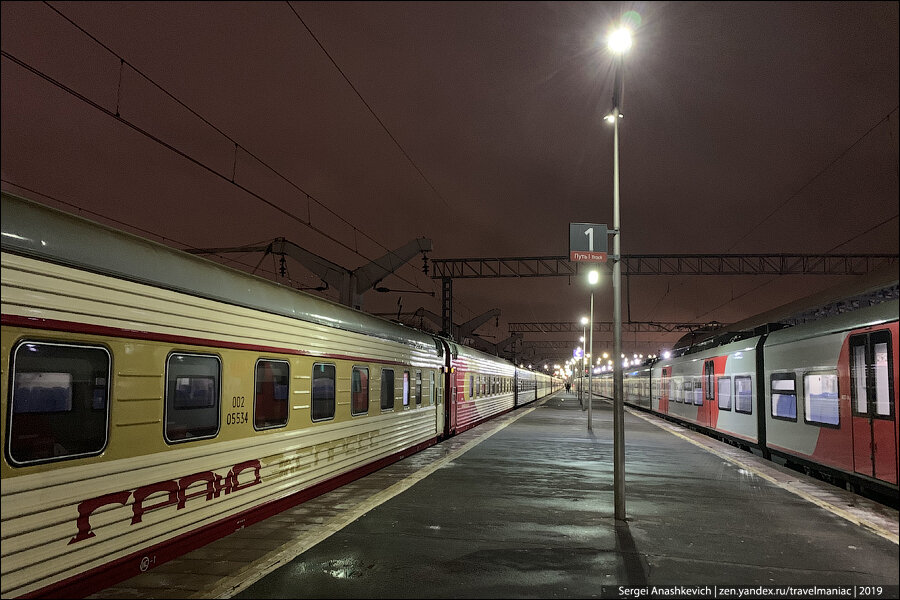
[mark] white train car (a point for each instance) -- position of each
(831, 394)
(714, 388)
(156, 401)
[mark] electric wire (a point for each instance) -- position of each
(226, 136)
(368, 106)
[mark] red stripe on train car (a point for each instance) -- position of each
(105, 331)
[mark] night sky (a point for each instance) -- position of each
(749, 128)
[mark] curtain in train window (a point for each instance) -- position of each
(192, 397)
(270, 404)
(59, 402)
(882, 378)
(820, 393)
(724, 389)
(387, 389)
(858, 375)
(784, 396)
(359, 391)
(743, 394)
(323, 391)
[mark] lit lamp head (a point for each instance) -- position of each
(593, 277)
(619, 40)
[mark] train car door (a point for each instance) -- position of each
(450, 375)
(664, 379)
(702, 396)
(874, 402)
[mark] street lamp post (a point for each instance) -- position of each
(593, 278)
(584, 322)
(618, 42)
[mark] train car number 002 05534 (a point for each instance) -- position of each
(239, 417)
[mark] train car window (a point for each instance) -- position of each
(387, 389)
(323, 391)
(784, 396)
(59, 402)
(858, 375)
(471, 386)
(405, 388)
(673, 390)
(724, 389)
(687, 390)
(418, 388)
(193, 395)
(881, 351)
(820, 398)
(698, 391)
(359, 391)
(743, 394)
(270, 404)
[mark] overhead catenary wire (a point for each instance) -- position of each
(821, 172)
(237, 145)
(368, 106)
(812, 179)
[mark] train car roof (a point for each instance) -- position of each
(38, 231)
(868, 316)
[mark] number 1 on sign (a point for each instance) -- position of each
(590, 234)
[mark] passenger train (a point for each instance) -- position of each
(155, 400)
(820, 396)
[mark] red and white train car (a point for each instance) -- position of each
(831, 394)
(821, 395)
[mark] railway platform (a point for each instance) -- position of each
(522, 507)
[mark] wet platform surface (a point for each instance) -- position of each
(522, 507)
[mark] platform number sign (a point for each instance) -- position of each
(587, 242)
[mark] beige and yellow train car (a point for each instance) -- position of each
(155, 401)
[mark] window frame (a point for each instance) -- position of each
(11, 402)
(312, 392)
(406, 384)
(392, 390)
(418, 388)
(719, 380)
(783, 376)
(734, 394)
(368, 391)
(837, 383)
(217, 406)
(287, 400)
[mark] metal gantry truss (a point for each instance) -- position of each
(667, 264)
(449, 269)
(606, 326)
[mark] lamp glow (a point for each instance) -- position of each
(619, 41)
